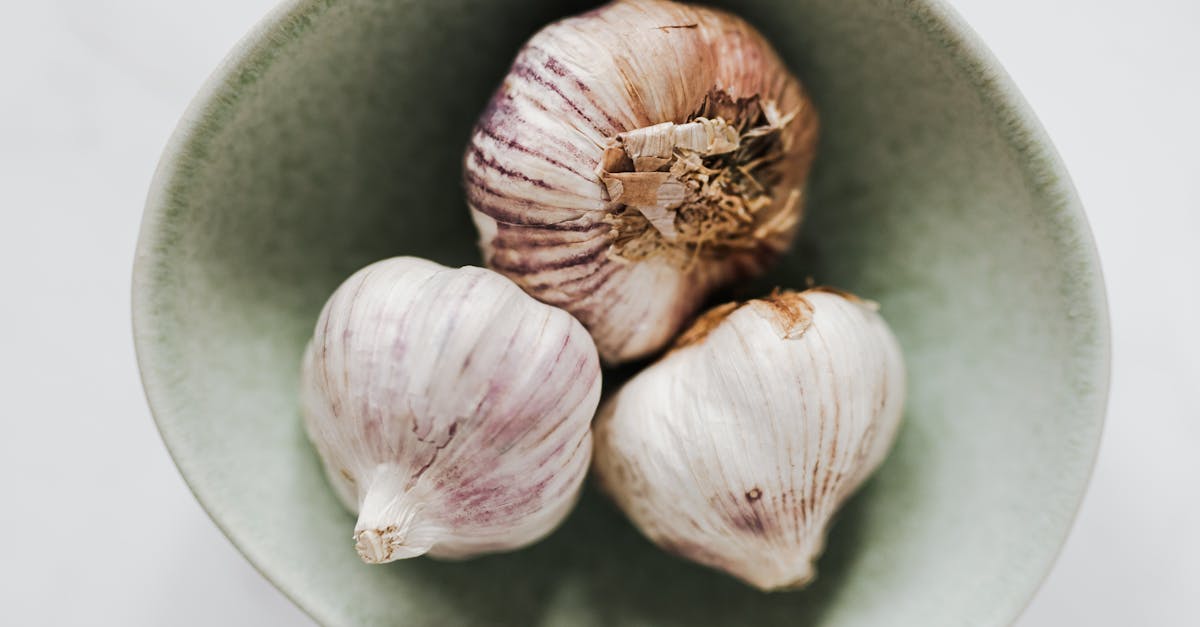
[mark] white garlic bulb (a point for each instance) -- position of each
(737, 447)
(635, 158)
(451, 410)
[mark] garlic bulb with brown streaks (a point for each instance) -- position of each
(737, 447)
(451, 410)
(635, 158)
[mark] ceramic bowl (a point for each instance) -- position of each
(332, 137)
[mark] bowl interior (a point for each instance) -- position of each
(333, 137)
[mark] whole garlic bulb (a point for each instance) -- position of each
(737, 447)
(451, 410)
(635, 158)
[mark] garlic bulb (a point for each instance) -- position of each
(737, 447)
(635, 158)
(450, 409)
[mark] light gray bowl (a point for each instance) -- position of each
(331, 137)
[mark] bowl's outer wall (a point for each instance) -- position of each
(332, 137)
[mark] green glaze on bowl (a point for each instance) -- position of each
(332, 137)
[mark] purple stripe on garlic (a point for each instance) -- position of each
(450, 409)
(636, 158)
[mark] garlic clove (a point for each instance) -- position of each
(451, 410)
(737, 447)
(636, 158)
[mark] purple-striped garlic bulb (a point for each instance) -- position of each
(451, 410)
(636, 158)
(738, 446)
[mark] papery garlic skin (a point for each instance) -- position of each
(451, 410)
(618, 171)
(737, 447)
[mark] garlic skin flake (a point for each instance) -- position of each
(636, 158)
(738, 446)
(451, 410)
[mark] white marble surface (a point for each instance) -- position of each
(98, 528)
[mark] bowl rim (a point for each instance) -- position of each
(287, 22)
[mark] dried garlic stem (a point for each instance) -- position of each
(389, 520)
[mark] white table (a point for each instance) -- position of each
(90, 93)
